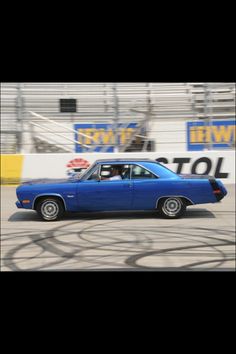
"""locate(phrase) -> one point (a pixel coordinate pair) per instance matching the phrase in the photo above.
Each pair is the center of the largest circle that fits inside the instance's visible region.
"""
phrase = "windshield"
(86, 171)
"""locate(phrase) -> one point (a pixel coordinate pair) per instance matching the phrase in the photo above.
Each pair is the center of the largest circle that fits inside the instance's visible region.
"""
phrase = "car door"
(145, 188)
(104, 195)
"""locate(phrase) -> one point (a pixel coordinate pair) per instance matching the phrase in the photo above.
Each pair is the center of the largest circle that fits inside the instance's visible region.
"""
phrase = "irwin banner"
(218, 134)
(103, 135)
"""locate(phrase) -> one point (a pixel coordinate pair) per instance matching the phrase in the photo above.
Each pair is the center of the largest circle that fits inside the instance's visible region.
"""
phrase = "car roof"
(111, 161)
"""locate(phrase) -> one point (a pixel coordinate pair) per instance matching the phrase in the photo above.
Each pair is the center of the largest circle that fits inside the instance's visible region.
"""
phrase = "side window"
(115, 172)
(139, 172)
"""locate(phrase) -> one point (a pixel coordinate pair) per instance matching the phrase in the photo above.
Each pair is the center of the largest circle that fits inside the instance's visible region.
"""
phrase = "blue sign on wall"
(220, 134)
(102, 134)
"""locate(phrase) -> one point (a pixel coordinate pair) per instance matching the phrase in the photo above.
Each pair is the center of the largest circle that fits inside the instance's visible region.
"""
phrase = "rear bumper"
(219, 196)
(19, 205)
(218, 189)
(223, 189)
(222, 194)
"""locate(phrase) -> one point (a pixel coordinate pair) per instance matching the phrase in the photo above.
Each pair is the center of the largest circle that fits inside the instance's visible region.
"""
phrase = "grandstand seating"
(95, 104)
(222, 100)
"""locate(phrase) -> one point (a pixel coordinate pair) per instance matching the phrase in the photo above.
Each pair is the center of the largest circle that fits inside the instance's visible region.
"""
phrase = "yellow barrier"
(11, 168)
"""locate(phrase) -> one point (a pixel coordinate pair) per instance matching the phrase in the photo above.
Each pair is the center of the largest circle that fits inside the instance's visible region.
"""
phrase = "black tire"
(50, 209)
(171, 207)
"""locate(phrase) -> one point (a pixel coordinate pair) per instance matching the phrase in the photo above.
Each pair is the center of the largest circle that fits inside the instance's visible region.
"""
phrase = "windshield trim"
(83, 176)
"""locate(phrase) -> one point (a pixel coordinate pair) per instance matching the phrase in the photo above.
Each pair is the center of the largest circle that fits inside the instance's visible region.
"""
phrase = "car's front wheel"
(50, 209)
(172, 207)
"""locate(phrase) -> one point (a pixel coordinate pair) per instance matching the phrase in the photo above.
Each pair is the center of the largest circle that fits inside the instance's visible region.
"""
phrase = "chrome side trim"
(49, 195)
(174, 196)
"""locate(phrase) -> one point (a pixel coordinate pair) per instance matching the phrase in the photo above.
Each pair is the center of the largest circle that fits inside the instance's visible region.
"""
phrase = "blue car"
(128, 184)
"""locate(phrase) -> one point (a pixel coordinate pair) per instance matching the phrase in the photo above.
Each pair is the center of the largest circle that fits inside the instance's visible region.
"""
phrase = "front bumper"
(19, 205)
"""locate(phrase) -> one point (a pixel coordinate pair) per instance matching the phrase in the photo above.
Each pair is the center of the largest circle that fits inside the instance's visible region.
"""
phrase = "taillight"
(217, 191)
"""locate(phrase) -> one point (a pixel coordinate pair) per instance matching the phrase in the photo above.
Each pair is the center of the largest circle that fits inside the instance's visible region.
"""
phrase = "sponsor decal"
(103, 135)
(218, 134)
(200, 166)
(76, 166)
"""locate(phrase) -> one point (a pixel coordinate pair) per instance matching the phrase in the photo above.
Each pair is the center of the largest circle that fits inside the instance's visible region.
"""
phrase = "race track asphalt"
(203, 240)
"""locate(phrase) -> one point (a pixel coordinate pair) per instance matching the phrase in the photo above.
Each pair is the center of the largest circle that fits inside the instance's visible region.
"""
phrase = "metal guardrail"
(92, 147)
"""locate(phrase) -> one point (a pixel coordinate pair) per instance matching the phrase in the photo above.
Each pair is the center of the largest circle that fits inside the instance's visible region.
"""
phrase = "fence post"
(116, 118)
(208, 112)
(19, 110)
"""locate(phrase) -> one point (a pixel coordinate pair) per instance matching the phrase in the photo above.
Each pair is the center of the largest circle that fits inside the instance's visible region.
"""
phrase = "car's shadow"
(193, 213)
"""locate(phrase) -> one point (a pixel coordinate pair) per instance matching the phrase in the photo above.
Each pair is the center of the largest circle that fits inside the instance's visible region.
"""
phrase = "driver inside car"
(115, 174)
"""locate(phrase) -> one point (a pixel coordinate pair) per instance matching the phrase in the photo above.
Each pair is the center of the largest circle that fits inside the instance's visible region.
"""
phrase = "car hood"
(48, 181)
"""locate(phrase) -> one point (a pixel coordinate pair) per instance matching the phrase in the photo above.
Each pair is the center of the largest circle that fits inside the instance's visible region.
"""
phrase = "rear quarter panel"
(147, 193)
(199, 191)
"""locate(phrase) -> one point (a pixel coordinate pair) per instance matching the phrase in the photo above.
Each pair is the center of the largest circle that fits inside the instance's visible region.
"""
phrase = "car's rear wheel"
(172, 207)
(50, 209)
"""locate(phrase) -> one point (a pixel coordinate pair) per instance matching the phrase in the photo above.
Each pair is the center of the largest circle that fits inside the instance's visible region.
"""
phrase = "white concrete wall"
(54, 165)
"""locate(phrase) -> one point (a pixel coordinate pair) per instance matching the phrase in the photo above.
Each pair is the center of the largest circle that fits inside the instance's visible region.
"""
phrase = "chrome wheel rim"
(50, 210)
(172, 206)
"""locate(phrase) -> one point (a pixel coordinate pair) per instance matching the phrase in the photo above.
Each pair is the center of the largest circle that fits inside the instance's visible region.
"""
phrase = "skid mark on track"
(110, 244)
(204, 239)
